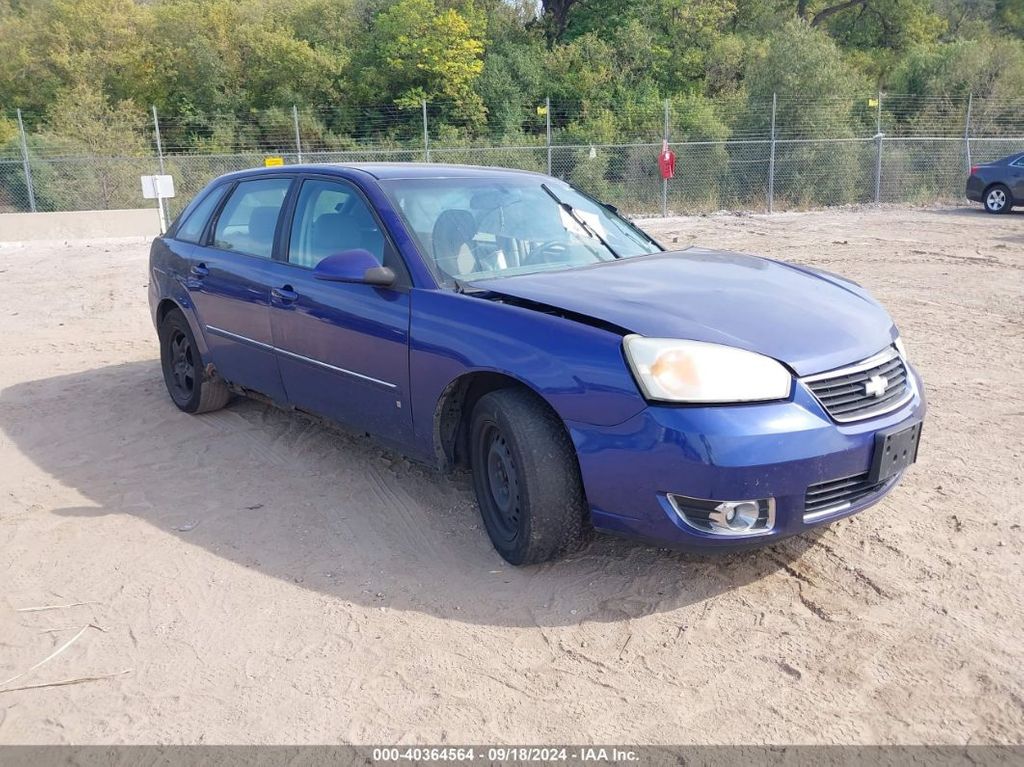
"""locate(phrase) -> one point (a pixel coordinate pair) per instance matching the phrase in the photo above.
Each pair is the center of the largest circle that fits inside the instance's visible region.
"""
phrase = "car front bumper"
(727, 453)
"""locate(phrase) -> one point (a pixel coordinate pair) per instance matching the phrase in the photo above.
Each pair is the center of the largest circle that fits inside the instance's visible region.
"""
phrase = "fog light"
(735, 516)
(725, 517)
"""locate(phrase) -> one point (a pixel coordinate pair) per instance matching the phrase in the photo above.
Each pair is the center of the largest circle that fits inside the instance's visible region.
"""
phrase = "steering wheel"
(540, 254)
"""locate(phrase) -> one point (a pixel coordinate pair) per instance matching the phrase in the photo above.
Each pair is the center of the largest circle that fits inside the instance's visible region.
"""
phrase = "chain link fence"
(792, 152)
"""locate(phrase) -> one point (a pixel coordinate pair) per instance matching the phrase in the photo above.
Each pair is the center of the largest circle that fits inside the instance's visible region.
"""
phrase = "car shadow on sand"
(290, 497)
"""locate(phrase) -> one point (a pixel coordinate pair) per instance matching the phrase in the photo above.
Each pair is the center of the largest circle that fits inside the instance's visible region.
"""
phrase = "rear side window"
(192, 227)
(249, 218)
(1019, 162)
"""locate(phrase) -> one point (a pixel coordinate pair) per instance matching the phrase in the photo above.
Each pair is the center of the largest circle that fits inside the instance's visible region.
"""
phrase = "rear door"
(1017, 180)
(229, 283)
(343, 348)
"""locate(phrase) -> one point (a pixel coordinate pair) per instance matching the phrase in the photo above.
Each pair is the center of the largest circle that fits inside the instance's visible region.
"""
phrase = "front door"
(229, 282)
(343, 348)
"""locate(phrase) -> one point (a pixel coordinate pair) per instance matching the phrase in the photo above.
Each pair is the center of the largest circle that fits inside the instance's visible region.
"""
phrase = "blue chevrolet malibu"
(503, 320)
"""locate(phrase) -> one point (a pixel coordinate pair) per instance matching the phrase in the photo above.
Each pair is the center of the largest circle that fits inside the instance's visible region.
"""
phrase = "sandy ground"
(262, 578)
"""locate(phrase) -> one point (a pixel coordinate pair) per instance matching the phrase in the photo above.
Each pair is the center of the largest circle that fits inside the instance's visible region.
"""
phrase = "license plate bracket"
(895, 450)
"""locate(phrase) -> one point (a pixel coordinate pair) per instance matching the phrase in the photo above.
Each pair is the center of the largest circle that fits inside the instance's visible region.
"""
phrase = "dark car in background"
(998, 185)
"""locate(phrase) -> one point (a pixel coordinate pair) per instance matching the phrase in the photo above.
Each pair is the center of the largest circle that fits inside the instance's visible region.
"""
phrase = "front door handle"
(284, 294)
(199, 270)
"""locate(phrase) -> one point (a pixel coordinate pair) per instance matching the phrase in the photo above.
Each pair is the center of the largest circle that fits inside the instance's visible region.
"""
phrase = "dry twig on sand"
(48, 658)
(63, 682)
(52, 607)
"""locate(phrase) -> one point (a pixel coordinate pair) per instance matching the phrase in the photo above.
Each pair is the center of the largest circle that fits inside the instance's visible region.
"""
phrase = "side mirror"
(355, 265)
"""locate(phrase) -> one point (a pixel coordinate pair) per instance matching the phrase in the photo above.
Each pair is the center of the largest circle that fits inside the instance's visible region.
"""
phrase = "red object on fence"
(667, 162)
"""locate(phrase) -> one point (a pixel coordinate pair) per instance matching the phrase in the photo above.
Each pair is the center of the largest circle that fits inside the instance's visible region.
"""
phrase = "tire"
(526, 478)
(998, 199)
(185, 376)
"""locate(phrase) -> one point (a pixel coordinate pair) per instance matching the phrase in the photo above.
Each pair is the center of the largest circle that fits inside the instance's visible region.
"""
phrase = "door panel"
(343, 351)
(231, 300)
(343, 348)
(1017, 181)
(230, 280)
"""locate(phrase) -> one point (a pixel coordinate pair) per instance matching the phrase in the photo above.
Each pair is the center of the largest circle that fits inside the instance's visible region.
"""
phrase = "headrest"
(263, 222)
(451, 229)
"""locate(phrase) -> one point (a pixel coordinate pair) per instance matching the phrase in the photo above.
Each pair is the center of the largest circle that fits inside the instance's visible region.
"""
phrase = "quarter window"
(249, 218)
(1019, 162)
(193, 226)
(331, 217)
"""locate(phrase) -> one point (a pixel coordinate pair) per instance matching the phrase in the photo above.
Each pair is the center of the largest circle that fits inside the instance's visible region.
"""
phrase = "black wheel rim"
(502, 478)
(181, 366)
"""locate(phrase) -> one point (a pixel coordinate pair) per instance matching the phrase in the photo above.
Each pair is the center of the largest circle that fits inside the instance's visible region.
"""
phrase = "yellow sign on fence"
(273, 162)
(872, 102)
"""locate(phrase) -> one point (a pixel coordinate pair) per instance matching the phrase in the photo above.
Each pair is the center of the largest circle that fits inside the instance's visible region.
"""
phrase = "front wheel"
(191, 389)
(526, 478)
(998, 199)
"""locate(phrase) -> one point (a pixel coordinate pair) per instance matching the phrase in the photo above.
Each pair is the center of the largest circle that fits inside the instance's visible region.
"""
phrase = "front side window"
(193, 227)
(249, 219)
(331, 217)
(482, 228)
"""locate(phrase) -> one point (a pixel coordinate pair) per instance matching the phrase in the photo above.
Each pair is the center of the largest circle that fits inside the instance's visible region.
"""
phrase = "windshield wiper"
(571, 211)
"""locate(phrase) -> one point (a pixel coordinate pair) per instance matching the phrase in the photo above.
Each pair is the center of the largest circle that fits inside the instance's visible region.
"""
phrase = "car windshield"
(484, 228)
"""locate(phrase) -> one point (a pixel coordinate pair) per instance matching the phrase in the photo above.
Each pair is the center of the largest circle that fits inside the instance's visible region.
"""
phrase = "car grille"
(836, 495)
(875, 386)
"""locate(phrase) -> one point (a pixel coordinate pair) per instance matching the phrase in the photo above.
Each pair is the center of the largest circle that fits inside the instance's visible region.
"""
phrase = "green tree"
(989, 68)
(513, 82)
(112, 138)
(49, 45)
(1009, 16)
(418, 51)
(803, 61)
(817, 92)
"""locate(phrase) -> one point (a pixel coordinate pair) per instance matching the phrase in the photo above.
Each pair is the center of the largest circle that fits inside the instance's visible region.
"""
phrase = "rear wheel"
(191, 389)
(998, 199)
(526, 478)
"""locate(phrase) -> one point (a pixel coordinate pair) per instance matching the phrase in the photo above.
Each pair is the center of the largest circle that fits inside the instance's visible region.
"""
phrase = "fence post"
(771, 161)
(878, 151)
(664, 181)
(426, 134)
(298, 137)
(160, 156)
(26, 166)
(547, 116)
(967, 133)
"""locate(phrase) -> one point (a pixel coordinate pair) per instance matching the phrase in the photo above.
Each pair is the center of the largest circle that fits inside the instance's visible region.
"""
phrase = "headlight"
(692, 371)
(898, 343)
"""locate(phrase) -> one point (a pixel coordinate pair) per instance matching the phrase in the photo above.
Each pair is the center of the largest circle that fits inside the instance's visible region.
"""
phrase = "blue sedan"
(503, 320)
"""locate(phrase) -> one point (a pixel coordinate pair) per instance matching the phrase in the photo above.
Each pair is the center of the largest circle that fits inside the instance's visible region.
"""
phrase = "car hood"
(810, 320)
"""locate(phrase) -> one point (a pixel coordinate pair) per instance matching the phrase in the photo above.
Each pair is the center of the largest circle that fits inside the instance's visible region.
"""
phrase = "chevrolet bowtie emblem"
(876, 386)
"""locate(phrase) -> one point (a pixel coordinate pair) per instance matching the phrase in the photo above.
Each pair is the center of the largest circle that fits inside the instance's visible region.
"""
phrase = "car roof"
(395, 170)
(1006, 160)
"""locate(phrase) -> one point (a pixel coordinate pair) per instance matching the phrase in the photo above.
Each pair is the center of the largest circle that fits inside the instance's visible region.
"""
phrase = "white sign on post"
(157, 187)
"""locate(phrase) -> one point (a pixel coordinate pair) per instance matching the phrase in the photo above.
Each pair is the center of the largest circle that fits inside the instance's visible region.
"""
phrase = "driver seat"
(452, 240)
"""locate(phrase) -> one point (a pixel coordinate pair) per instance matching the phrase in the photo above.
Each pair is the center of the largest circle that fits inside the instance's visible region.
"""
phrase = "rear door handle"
(199, 270)
(284, 294)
